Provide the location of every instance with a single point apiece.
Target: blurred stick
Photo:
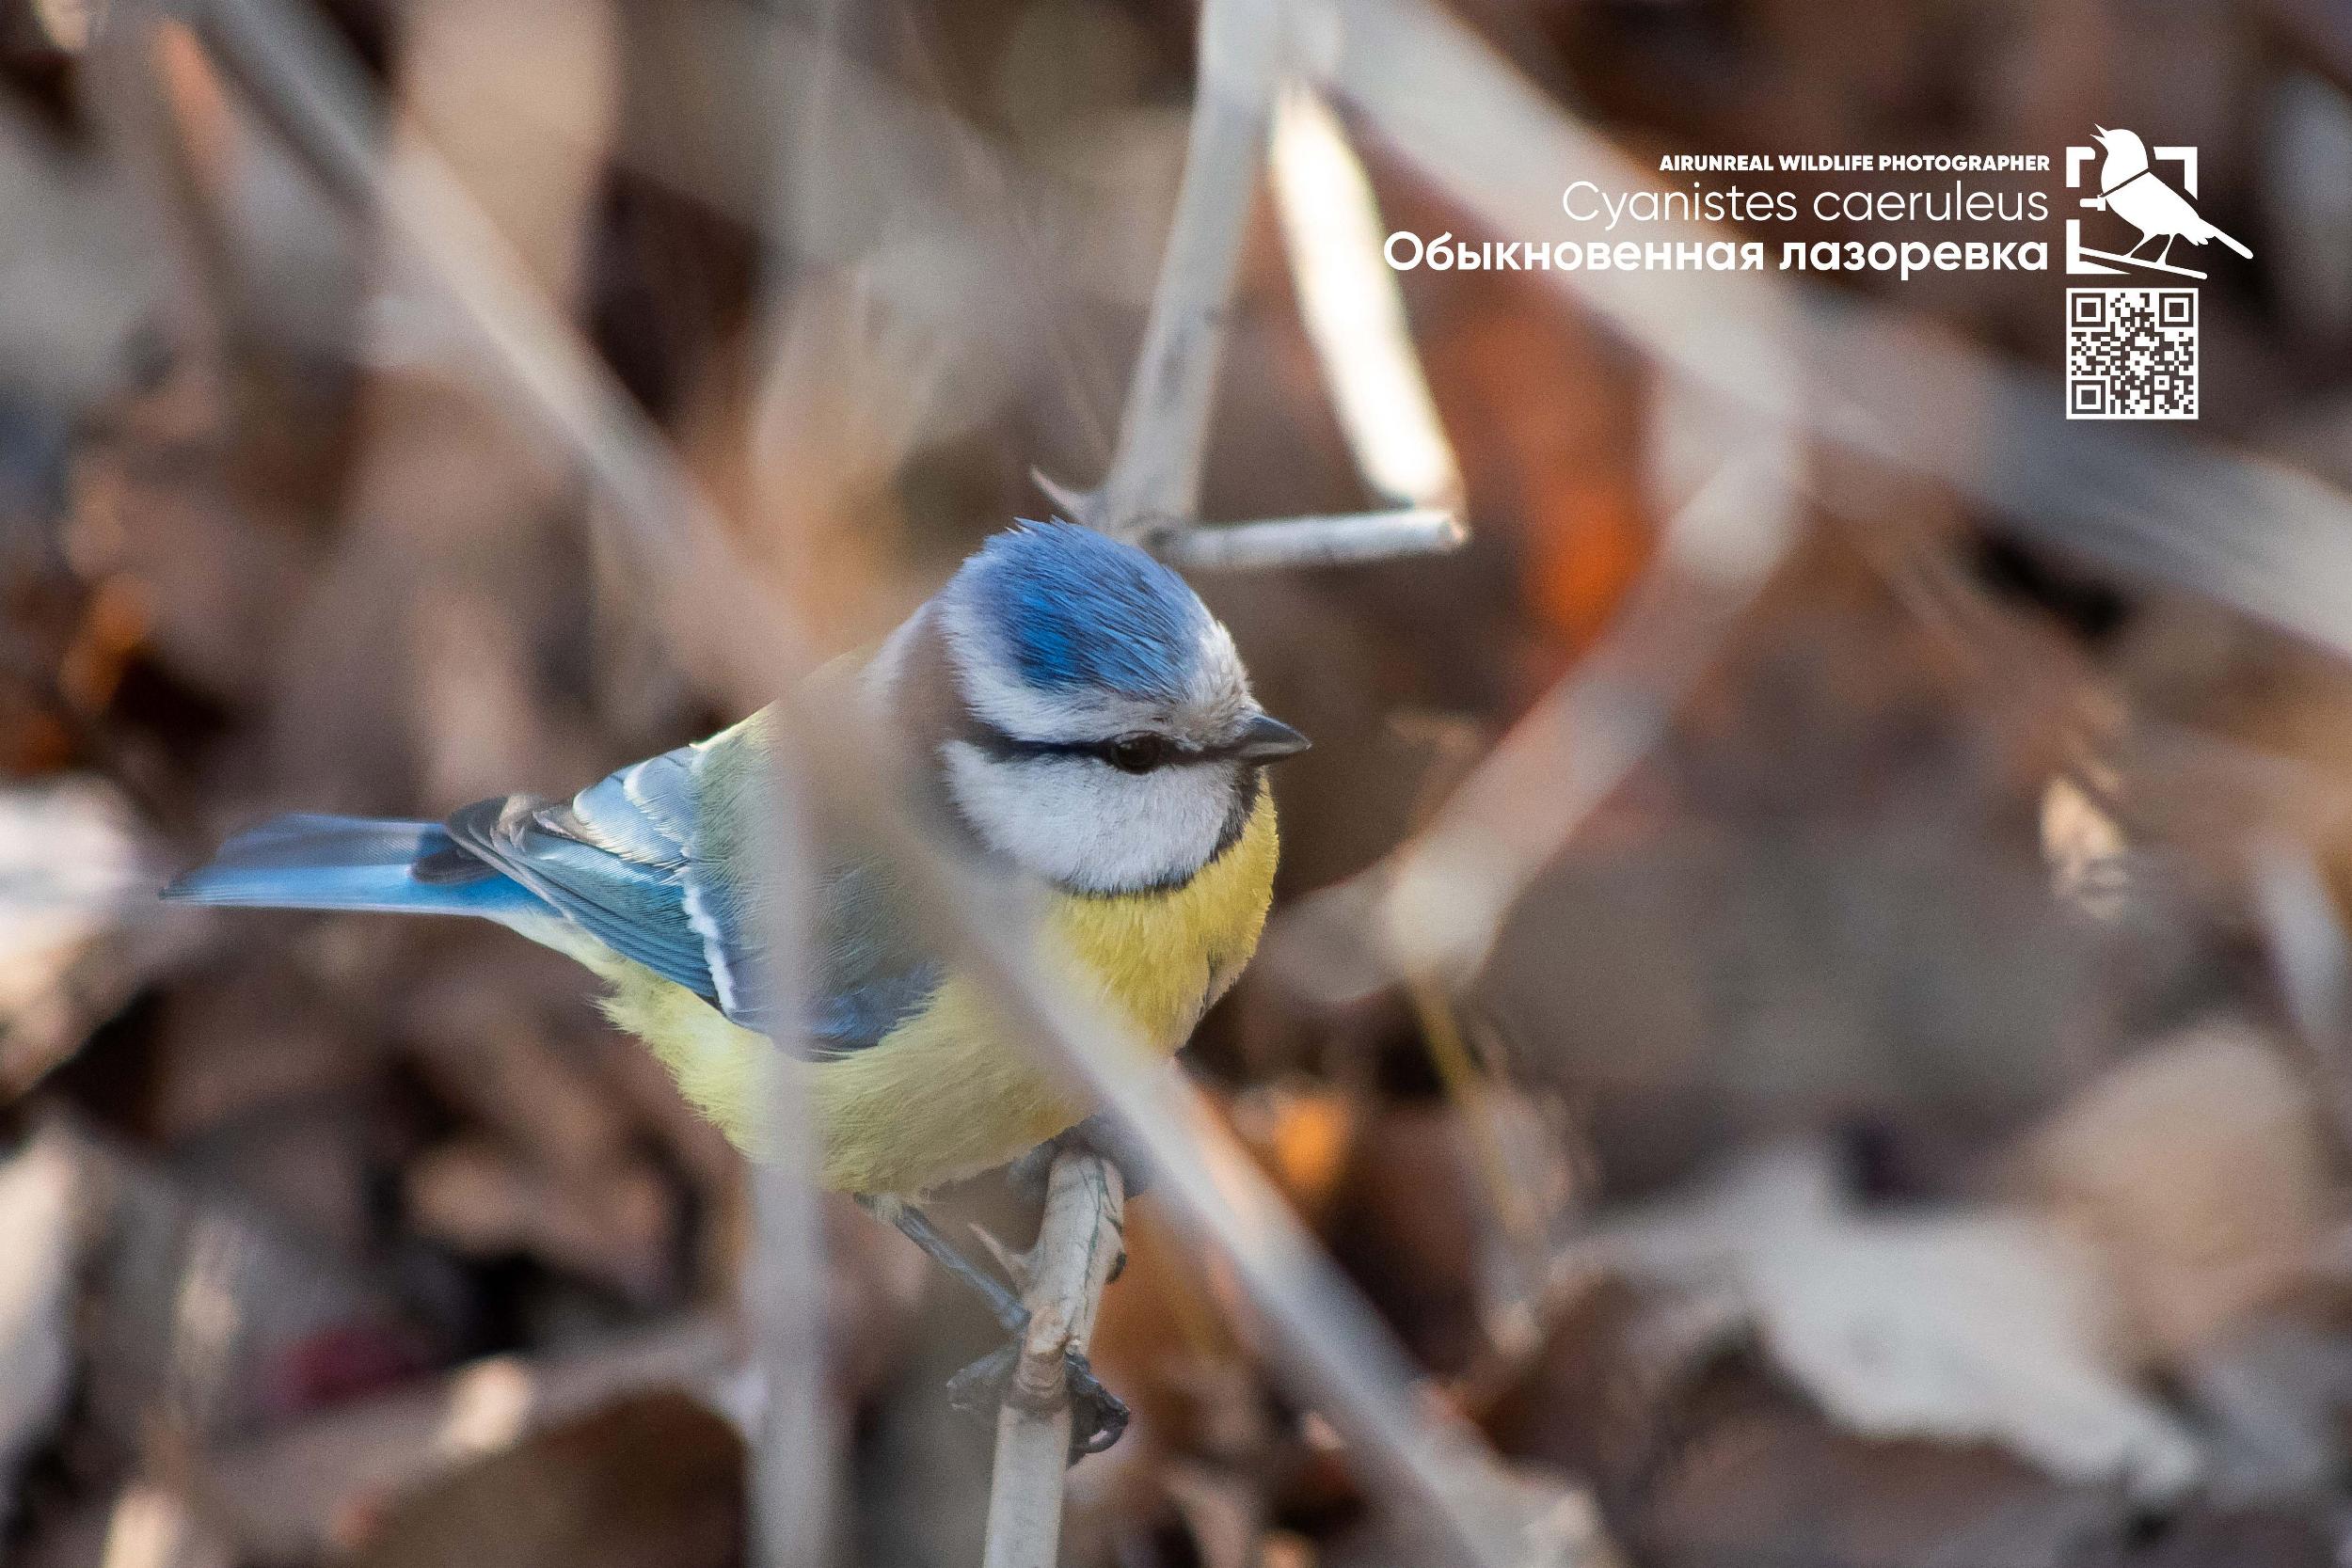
(427, 205)
(793, 1455)
(1438, 902)
(782, 1296)
(2311, 960)
(44, 27)
(1354, 311)
(1079, 1247)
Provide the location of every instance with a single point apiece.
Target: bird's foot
(1097, 1416)
(1099, 1134)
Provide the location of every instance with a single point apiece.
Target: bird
(1078, 717)
(2132, 188)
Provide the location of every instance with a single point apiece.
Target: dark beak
(1268, 740)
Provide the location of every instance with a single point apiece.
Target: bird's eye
(1136, 753)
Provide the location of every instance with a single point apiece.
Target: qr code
(2131, 354)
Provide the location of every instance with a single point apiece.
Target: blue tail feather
(346, 862)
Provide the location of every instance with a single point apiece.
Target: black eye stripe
(1001, 747)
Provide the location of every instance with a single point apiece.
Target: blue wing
(655, 862)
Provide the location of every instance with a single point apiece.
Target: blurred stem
(1467, 1086)
(1079, 1247)
(2312, 961)
(783, 1294)
(1354, 312)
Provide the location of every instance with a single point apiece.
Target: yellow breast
(946, 1094)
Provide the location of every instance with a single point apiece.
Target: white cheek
(1082, 825)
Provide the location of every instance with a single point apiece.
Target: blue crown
(1077, 608)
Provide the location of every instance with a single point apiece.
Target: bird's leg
(2167, 251)
(1097, 1415)
(916, 1227)
(2143, 240)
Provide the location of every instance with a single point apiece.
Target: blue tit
(1080, 718)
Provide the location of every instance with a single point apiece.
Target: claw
(979, 1389)
(1098, 1418)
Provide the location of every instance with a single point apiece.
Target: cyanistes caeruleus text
(1079, 718)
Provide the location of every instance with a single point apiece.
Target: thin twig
(1153, 491)
(1154, 479)
(1308, 541)
(1079, 1247)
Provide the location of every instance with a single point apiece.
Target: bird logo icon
(2130, 188)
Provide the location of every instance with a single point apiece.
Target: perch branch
(1079, 1247)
